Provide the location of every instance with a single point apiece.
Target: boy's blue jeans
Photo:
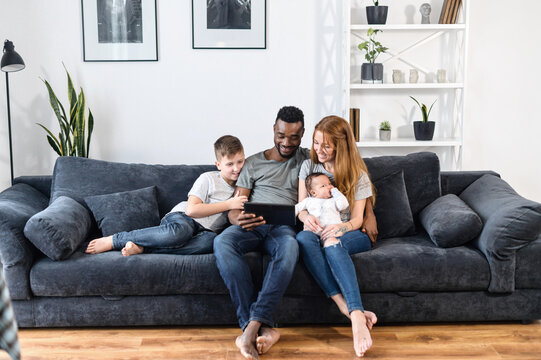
(332, 267)
(177, 234)
(230, 246)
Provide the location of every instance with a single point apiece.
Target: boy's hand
(249, 221)
(237, 202)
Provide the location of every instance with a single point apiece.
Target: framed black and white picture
(119, 30)
(229, 24)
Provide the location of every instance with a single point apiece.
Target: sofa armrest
(510, 222)
(17, 204)
(454, 182)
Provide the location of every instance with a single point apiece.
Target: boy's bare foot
(371, 319)
(131, 249)
(247, 347)
(100, 245)
(361, 335)
(267, 337)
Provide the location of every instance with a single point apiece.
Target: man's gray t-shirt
(270, 181)
(210, 188)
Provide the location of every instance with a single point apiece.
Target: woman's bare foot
(341, 303)
(246, 341)
(267, 337)
(131, 249)
(371, 319)
(100, 245)
(361, 335)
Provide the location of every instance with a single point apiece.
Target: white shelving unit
(407, 42)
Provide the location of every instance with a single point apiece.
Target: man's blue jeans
(230, 246)
(332, 267)
(177, 234)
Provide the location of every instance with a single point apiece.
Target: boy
(191, 226)
(325, 201)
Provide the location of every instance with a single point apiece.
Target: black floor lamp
(11, 62)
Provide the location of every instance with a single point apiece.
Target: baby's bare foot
(100, 245)
(131, 249)
(267, 337)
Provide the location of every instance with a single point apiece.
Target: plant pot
(385, 135)
(424, 130)
(372, 72)
(376, 14)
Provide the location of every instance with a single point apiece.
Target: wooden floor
(446, 341)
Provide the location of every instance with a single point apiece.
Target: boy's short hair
(310, 178)
(227, 145)
(290, 114)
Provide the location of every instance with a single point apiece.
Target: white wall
(171, 111)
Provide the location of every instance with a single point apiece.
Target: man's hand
(370, 226)
(247, 221)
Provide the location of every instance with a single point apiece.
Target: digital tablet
(272, 213)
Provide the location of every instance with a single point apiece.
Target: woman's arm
(196, 208)
(355, 222)
(311, 223)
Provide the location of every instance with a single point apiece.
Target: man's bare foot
(361, 335)
(131, 249)
(371, 319)
(267, 337)
(100, 245)
(247, 347)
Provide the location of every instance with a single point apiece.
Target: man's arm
(370, 226)
(239, 217)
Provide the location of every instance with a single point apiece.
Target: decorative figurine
(414, 76)
(397, 76)
(425, 11)
(441, 76)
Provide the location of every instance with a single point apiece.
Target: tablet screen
(272, 213)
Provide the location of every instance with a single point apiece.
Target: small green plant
(385, 126)
(423, 109)
(372, 47)
(71, 138)
(376, 2)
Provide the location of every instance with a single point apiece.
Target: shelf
(430, 27)
(358, 86)
(371, 143)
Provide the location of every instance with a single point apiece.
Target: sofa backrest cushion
(80, 177)
(421, 176)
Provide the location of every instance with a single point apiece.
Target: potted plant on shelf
(372, 71)
(424, 130)
(385, 131)
(376, 14)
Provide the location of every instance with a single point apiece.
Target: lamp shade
(11, 61)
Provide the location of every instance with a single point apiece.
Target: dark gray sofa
(403, 279)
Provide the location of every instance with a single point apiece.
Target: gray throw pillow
(510, 223)
(450, 222)
(392, 210)
(125, 211)
(58, 230)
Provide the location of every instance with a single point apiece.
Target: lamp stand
(9, 130)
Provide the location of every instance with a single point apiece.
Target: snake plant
(423, 109)
(71, 138)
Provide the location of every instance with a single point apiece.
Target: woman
(335, 154)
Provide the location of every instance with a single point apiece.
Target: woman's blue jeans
(177, 234)
(332, 267)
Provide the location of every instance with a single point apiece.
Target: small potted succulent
(371, 70)
(424, 130)
(385, 131)
(376, 14)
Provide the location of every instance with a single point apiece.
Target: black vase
(424, 130)
(372, 72)
(376, 14)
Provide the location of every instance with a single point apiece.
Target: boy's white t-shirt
(210, 188)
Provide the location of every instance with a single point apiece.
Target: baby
(325, 201)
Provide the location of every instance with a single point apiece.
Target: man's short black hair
(290, 114)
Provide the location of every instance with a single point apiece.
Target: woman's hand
(311, 223)
(334, 231)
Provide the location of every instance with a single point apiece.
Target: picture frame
(229, 24)
(119, 30)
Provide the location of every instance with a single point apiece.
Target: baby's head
(319, 185)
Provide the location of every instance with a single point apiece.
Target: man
(270, 176)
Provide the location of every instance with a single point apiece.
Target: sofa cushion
(510, 223)
(81, 177)
(392, 209)
(125, 211)
(421, 176)
(408, 264)
(60, 229)
(111, 274)
(450, 222)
